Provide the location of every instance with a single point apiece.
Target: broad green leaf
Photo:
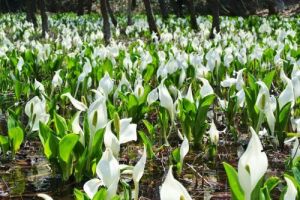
(60, 125)
(148, 143)
(101, 194)
(268, 79)
(16, 136)
(236, 190)
(66, 146)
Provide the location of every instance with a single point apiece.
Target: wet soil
(30, 173)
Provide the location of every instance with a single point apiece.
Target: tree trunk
(106, 24)
(44, 17)
(176, 9)
(191, 10)
(216, 17)
(111, 13)
(134, 4)
(80, 8)
(163, 9)
(272, 7)
(129, 13)
(30, 12)
(89, 6)
(150, 18)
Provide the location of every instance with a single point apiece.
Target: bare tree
(151, 21)
(31, 9)
(214, 5)
(272, 7)
(191, 10)
(80, 7)
(163, 9)
(129, 12)
(111, 13)
(106, 24)
(89, 6)
(30, 12)
(44, 17)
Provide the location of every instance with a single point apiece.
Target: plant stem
(136, 190)
(260, 120)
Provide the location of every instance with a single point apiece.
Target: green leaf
(4, 143)
(236, 190)
(176, 155)
(271, 183)
(148, 143)
(51, 147)
(66, 146)
(269, 78)
(255, 194)
(284, 115)
(101, 194)
(60, 125)
(80, 195)
(97, 144)
(16, 136)
(18, 89)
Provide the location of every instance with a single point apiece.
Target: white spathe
(206, 88)
(108, 172)
(213, 133)
(152, 96)
(139, 168)
(291, 192)
(252, 165)
(76, 128)
(35, 109)
(57, 80)
(106, 84)
(166, 100)
(172, 189)
(77, 104)
(266, 104)
(184, 149)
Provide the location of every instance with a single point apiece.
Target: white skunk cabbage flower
(172, 189)
(139, 88)
(184, 149)
(166, 100)
(206, 88)
(97, 116)
(76, 128)
(106, 85)
(189, 94)
(213, 133)
(35, 109)
(138, 169)
(228, 82)
(57, 80)
(266, 104)
(111, 141)
(138, 172)
(252, 165)
(39, 86)
(108, 172)
(127, 134)
(87, 68)
(77, 104)
(287, 95)
(152, 96)
(291, 192)
(20, 64)
(123, 82)
(127, 131)
(295, 153)
(44, 196)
